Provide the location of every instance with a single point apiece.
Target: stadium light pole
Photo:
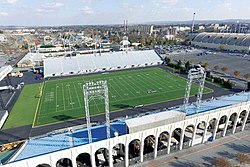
(96, 90)
(195, 74)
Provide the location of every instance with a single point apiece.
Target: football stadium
(116, 109)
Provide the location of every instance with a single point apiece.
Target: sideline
(38, 104)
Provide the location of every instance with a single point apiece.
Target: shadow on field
(122, 106)
(62, 117)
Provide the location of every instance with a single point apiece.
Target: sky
(98, 12)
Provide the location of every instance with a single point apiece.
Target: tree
(247, 76)
(205, 65)
(216, 68)
(167, 60)
(237, 73)
(179, 63)
(243, 158)
(221, 162)
(187, 65)
(224, 69)
(221, 47)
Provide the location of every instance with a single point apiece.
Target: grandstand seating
(100, 62)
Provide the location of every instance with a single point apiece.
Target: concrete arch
(64, 162)
(118, 154)
(232, 123)
(163, 140)
(84, 160)
(189, 134)
(176, 139)
(43, 165)
(149, 144)
(134, 148)
(201, 130)
(102, 157)
(242, 119)
(211, 128)
(222, 126)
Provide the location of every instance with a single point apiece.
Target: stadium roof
(67, 139)
(4, 71)
(94, 63)
(224, 38)
(154, 120)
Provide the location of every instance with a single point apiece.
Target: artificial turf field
(62, 99)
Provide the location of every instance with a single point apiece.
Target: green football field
(62, 99)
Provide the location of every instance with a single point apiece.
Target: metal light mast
(199, 75)
(96, 90)
(192, 28)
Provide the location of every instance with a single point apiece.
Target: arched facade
(195, 129)
(223, 41)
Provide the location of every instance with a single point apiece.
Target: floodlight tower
(96, 90)
(192, 28)
(195, 74)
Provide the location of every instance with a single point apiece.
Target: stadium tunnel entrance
(43, 165)
(188, 136)
(163, 142)
(83, 160)
(176, 140)
(102, 157)
(211, 129)
(134, 151)
(232, 123)
(118, 154)
(64, 162)
(222, 126)
(200, 133)
(242, 120)
(149, 146)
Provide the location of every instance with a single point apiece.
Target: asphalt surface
(203, 155)
(233, 61)
(25, 132)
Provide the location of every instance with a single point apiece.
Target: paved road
(204, 154)
(26, 132)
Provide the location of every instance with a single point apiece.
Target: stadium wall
(52, 158)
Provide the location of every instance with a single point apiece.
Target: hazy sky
(68, 12)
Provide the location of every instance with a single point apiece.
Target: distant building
(223, 41)
(3, 38)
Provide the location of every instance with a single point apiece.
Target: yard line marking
(63, 97)
(70, 97)
(56, 97)
(38, 104)
(77, 95)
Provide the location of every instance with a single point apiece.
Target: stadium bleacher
(74, 65)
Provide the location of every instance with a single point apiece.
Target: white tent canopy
(4, 71)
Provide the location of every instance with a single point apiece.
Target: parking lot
(233, 61)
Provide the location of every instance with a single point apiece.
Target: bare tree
(221, 162)
(205, 65)
(216, 68)
(237, 73)
(247, 76)
(224, 69)
(243, 158)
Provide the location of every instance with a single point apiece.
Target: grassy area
(62, 99)
(24, 109)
